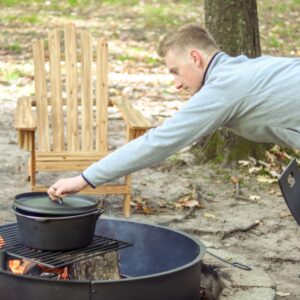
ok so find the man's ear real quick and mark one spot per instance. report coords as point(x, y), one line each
point(196, 56)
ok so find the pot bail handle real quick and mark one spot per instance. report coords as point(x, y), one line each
point(234, 264)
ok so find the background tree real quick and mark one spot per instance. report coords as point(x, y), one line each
point(234, 25)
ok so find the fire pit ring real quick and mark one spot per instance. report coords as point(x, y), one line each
point(162, 264)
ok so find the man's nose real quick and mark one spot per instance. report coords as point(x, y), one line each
point(177, 84)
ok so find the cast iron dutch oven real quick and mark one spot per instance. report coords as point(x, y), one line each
point(51, 225)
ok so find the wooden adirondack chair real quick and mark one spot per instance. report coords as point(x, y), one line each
point(64, 125)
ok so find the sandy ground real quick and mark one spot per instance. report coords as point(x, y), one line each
point(222, 221)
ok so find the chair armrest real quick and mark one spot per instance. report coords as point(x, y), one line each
point(134, 118)
point(24, 117)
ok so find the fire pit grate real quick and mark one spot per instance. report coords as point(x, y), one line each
point(55, 259)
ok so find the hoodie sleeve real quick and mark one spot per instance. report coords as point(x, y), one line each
point(197, 118)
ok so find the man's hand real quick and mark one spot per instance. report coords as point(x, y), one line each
point(66, 186)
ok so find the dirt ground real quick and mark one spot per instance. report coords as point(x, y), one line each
point(257, 226)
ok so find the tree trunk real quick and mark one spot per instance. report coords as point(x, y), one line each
point(234, 25)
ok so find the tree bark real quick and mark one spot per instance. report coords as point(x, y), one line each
point(234, 25)
point(101, 267)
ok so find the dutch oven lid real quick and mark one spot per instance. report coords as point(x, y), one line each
point(37, 202)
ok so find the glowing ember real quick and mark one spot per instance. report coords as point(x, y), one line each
point(18, 266)
point(2, 242)
point(61, 272)
point(23, 266)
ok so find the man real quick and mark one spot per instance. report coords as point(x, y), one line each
point(258, 98)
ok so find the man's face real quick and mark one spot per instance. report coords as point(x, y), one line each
point(187, 70)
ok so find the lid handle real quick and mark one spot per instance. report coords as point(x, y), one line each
point(59, 200)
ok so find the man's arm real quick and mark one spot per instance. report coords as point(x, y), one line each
point(198, 117)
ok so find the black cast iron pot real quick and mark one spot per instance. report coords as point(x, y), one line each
point(48, 225)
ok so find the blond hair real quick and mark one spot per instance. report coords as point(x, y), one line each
point(189, 35)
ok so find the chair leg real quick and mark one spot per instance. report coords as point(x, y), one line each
point(29, 169)
point(32, 161)
point(127, 197)
point(32, 179)
point(126, 205)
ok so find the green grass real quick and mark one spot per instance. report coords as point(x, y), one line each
point(32, 19)
point(18, 2)
point(14, 75)
point(9, 2)
point(26, 19)
point(148, 14)
point(164, 16)
point(279, 26)
point(282, 7)
point(273, 42)
point(158, 16)
point(14, 47)
point(124, 57)
point(152, 61)
point(70, 3)
point(121, 2)
point(9, 75)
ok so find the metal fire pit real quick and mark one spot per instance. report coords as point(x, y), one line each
point(162, 264)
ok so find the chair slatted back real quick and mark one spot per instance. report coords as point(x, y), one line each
point(71, 101)
point(71, 88)
point(41, 95)
point(56, 90)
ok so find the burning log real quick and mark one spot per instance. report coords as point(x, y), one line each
point(54, 273)
point(101, 267)
point(20, 266)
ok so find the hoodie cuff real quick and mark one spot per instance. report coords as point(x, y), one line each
point(88, 182)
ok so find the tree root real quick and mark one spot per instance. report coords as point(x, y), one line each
point(239, 229)
point(181, 219)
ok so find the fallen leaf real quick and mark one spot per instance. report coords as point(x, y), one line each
point(285, 215)
point(191, 203)
point(147, 210)
point(254, 170)
point(244, 163)
point(282, 294)
point(274, 173)
point(178, 205)
point(209, 216)
point(235, 179)
point(265, 179)
point(188, 201)
point(254, 197)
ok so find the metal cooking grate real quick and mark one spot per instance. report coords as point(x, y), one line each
point(55, 259)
